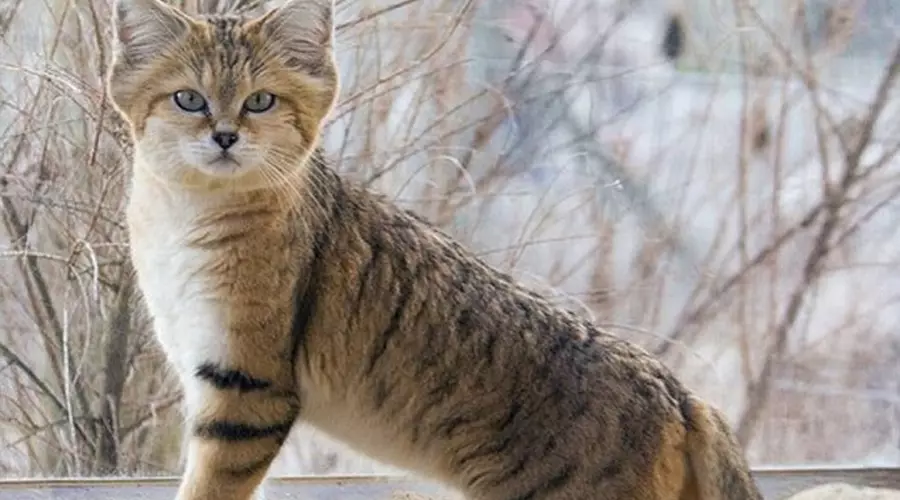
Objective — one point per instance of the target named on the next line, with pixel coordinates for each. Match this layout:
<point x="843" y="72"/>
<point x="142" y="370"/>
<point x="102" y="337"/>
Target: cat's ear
<point x="303" y="30"/>
<point x="143" y="28"/>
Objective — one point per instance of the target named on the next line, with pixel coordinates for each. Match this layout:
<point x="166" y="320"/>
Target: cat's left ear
<point x="303" y="30"/>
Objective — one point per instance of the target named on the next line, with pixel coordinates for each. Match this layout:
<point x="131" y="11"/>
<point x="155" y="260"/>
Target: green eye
<point x="259" y="102"/>
<point x="189" y="100"/>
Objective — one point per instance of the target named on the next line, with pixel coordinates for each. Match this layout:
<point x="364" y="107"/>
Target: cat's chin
<point x="223" y="168"/>
<point x="218" y="177"/>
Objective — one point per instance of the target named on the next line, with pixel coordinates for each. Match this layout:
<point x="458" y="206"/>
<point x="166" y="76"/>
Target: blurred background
<point x="714" y="179"/>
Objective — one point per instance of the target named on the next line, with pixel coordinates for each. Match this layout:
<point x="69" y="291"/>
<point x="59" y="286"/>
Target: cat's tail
<point x="720" y="470"/>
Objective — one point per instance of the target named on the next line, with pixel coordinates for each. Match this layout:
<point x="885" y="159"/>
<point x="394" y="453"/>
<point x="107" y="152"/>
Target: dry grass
<point x="742" y="227"/>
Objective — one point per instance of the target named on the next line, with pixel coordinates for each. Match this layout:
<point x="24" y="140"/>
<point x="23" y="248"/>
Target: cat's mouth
<point x="224" y="161"/>
<point x="222" y="165"/>
<point x="225" y="158"/>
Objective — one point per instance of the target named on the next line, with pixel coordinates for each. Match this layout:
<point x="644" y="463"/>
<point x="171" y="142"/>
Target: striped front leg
<point x="237" y="425"/>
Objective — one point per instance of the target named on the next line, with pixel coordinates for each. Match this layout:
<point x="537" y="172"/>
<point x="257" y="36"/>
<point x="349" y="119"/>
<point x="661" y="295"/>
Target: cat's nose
<point x="225" y="139"/>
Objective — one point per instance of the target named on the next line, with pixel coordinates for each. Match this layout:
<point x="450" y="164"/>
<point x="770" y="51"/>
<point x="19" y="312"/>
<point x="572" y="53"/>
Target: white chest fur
<point x="188" y="318"/>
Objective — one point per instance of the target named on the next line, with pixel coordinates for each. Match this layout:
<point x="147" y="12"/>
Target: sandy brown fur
<point x="316" y="300"/>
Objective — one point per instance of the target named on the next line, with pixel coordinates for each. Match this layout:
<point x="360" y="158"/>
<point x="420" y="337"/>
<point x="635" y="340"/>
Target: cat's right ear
<point x="302" y="31"/>
<point x="144" y="28"/>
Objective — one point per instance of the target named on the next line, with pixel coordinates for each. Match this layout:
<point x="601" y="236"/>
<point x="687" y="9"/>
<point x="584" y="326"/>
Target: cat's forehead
<point x="224" y="41"/>
<point x="223" y="55"/>
<point x="224" y="27"/>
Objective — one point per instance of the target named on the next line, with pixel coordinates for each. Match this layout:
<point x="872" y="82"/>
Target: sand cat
<point x="281" y="292"/>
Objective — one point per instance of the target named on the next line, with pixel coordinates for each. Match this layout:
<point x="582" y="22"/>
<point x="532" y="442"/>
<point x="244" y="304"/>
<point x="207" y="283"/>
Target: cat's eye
<point x="259" y="102"/>
<point x="189" y="100"/>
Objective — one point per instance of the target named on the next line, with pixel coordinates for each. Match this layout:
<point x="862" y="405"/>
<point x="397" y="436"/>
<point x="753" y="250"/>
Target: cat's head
<point x="223" y="98"/>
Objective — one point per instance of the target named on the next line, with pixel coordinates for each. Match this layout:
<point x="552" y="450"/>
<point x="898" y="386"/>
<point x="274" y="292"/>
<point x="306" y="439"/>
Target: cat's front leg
<point x="237" y="425"/>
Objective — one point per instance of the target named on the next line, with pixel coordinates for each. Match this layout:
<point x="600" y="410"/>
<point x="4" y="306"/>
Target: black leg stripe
<point x="233" y="431"/>
<point x="224" y="378"/>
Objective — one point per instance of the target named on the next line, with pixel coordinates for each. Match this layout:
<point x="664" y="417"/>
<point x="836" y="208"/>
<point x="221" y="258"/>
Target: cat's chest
<point x="178" y="288"/>
<point x="171" y="276"/>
